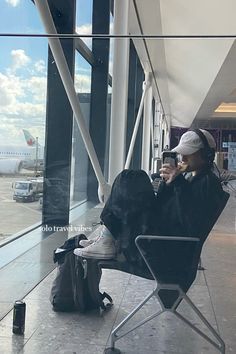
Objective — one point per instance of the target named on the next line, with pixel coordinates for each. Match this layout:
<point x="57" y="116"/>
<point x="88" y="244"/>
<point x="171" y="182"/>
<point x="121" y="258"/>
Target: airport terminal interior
<point x="89" y="88"/>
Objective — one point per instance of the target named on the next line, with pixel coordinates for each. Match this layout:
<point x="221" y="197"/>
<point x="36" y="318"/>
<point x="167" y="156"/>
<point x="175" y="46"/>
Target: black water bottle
<point x="19" y="317"/>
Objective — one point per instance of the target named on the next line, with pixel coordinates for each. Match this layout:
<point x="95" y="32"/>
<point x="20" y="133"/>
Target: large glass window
<point x="23" y="79"/>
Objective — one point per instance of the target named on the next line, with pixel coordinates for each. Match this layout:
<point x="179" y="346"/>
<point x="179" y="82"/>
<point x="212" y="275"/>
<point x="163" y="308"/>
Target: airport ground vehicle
<point x="28" y="190"/>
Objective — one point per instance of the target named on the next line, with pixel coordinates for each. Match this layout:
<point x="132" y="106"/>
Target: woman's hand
<point x="169" y="172"/>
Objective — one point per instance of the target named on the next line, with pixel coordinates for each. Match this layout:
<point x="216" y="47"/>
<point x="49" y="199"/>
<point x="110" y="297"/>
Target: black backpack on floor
<point x="76" y="286"/>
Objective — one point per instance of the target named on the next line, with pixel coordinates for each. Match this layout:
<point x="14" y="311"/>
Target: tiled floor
<point x="48" y="332"/>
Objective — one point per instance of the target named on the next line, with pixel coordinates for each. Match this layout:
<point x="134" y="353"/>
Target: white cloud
<point x="40" y="66"/>
<point x="12" y="134"/>
<point x="85" y="29"/>
<point x="19" y="59"/>
<point x="82" y="83"/>
<point x="13" y="3"/>
<point x="13" y="89"/>
<point x="27" y="109"/>
<point x="36" y="85"/>
<point x="10" y="89"/>
<point x="22" y="110"/>
<point x="22" y="104"/>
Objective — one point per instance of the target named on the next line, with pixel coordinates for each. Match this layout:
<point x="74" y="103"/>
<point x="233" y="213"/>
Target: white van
<point x="29" y="190"/>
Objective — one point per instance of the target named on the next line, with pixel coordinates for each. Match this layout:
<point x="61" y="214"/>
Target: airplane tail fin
<point x="29" y="138"/>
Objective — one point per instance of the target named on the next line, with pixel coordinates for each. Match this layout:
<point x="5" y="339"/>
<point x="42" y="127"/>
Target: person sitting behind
<point x="191" y="193"/>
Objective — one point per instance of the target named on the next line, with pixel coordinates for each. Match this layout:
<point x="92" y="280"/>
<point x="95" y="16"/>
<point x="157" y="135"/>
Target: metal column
<point x="146" y="127"/>
<point x="157" y="137"/>
<point x="119" y="90"/>
<point x="135" y="92"/>
<point x="59" y="121"/>
<point x="136" y="126"/>
<point x="99" y="89"/>
<point x="157" y="129"/>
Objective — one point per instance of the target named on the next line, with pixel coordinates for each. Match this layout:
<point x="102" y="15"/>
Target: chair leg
<point x="115" y="336"/>
<point x="220" y="345"/>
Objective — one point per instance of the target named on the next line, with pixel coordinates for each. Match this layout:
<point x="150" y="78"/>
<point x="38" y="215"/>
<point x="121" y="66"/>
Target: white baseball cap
<point x="190" y="142"/>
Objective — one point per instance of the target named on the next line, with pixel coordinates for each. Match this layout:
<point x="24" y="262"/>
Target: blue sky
<point x="22" y="18"/>
<point x="23" y="65"/>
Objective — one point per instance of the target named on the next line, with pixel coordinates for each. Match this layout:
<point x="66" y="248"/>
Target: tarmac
<point x="21" y="215"/>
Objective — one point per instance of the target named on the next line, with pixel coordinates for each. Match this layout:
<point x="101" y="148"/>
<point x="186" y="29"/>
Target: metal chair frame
<point x="218" y="343"/>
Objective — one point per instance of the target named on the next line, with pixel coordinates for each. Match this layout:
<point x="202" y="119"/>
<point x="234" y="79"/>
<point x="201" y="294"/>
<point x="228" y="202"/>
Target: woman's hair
<point x="131" y="198"/>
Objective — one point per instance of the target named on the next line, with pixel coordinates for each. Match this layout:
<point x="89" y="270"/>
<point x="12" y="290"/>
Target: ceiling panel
<point x="193" y="75"/>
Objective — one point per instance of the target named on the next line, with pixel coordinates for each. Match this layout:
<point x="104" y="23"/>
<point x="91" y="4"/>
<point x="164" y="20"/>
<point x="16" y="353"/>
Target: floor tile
<point x="62" y="347"/>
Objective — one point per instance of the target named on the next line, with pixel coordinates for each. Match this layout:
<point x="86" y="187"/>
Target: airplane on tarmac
<point x="13" y="157"/>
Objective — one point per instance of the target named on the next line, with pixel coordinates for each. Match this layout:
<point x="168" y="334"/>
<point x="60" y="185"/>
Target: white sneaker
<point x="97" y="233"/>
<point x="85" y="243"/>
<point x="102" y="248"/>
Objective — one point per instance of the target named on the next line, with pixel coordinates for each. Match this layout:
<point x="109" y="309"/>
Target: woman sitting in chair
<point x="186" y="205"/>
